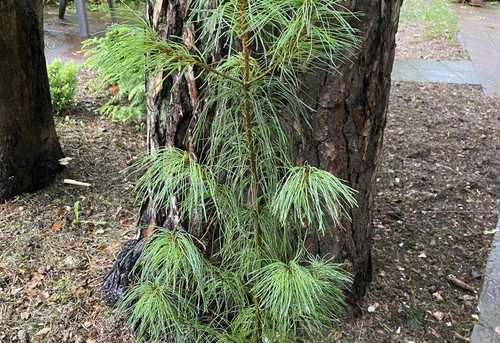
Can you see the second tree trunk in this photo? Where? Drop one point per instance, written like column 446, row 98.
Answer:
column 29, row 148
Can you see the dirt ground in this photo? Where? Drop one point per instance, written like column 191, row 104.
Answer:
column 412, row 42
column 438, row 185
column 434, row 212
column 53, row 255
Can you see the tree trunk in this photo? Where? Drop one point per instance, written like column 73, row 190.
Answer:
column 346, row 137
column 169, row 105
column 29, row 148
column 348, row 126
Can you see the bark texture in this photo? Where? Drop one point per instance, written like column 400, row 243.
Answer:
column 29, row 148
column 169, row 104
column 348, row 126
column 346, row 137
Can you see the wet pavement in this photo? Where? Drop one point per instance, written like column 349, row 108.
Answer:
column 480, row 35
column 488, row 328
column 420, row 70
column 62, row 37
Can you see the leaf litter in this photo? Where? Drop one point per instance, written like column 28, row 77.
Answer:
column 436, row 195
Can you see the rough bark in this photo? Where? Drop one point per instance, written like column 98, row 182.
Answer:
column 29, row 148
column 346, row 135
column 169, row 104
column 348, row 126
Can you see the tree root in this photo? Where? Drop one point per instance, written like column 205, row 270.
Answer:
column 119, row 278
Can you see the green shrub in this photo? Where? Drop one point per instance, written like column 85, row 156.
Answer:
column 62, row 80
column 107, row 57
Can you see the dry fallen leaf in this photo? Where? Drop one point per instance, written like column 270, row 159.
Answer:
column 438, row 295
column 438, row 315
column 35, row 281
column 57, row 226
column 42, row 332
column 435, row 333
column 460, row 284
column 114, row 89
column 468, row 297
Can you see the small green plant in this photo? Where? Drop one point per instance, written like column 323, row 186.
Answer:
column 128, row 102
column 257, row 282
column 436, row 14
column 76, row 212
column 62, row 80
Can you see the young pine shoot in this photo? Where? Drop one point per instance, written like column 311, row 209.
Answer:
column 256, row 282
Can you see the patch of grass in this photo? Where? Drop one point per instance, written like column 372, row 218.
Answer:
column 64, row 288
column 437, row 15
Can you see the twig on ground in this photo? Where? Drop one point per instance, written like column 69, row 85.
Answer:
column 460, row 284
column 76, row 183
column 460, row 337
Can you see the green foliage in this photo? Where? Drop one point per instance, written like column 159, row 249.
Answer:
column 436, row 14
column 76, row 212
column 171, row 172
column 115, row 64
column 308, row 195
column 157, row 311
column 293, row 297
column 62, row 80
column 256, row 282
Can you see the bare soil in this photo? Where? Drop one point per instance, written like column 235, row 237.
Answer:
column 53, row 255
column 438, row 186
column 434, row 212
column 413, row 42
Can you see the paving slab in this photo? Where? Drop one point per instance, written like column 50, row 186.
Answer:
column 480, row 35
column 421, row 70
column 62, row 39
column 488, row 328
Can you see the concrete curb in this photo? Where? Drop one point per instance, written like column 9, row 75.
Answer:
column 488, row 328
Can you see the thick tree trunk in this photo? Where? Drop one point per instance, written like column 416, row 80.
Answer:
column 29, row 148
column 346, row 137
column 348, row 126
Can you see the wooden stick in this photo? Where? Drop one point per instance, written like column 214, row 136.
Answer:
column 76, row 183
column 460, row 337
column 65, row 161
column 460, row 284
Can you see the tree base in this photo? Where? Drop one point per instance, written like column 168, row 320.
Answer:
column 119, row 278
column 14, row 182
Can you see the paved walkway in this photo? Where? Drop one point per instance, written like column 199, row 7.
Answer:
column 62, row 38
column 420, row 70
column 480, row 35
